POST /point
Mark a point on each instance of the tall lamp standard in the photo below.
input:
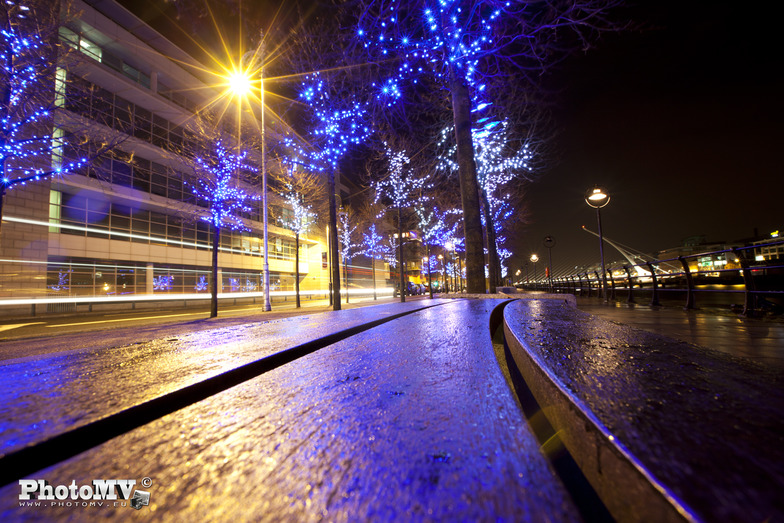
(598, 198)
(442, 279)
(534, 259)
(449, 246)
(460, 271)
(240, 84)
(549, 242)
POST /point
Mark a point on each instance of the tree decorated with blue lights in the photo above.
(391, 247)
(33, 146)
(337, 124)
(373, 247)
(346, 231)
(435, 227)
(301, 190)
(504, 162)
(470, 48)
(399, 190)
(218, 172)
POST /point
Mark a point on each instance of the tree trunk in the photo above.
(216, 231)
(296, 267)
(3, 185)
(333, 242)
(373, 274)
(469, 188)
(429, 275)
(3, 189)
(400, 253)
(345, 275)
(493, 268)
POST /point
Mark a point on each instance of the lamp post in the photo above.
(329, 266)
(449, 246)
(240, 84)
(598, 198)
(443, 273)
(460, 272)
(549, 242)
(534, 259)
(267, 304)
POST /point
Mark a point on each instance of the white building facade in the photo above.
(126, 229)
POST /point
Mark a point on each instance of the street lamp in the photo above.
(443, 272)
(240, 83)
(534, 259)
(449, 246)
(598, 198)
(460, 272)
(549, 242)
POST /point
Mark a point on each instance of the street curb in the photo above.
(626, 487)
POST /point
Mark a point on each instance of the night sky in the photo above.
(681, 122)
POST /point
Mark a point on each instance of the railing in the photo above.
(759, 282)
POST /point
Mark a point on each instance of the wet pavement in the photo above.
(703, 426)
(757, 339)
(113, 371)
(410, 420)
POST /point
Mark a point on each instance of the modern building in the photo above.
(769, 249)
(127, 229)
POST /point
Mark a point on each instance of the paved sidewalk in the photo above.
(757, 339)
(411, 420)
(663, 429)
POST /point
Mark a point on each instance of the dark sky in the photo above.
(681, 122)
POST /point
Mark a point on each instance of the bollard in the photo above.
(655, 291)
(689, 284)
(612, 286)
(630, 298)
(748, 284)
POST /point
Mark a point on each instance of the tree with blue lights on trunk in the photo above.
(400, 189)
(36, 132)
(301, 190)
(373, 248)
(346, 230)
(337, 125)
(218, 173)
(469, 48)
(435, 228)
(503, 163)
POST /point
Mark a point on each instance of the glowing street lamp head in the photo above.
(597, 197)
(239, 83)
(534, 258)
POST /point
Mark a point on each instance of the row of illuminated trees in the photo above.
(439, 80)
